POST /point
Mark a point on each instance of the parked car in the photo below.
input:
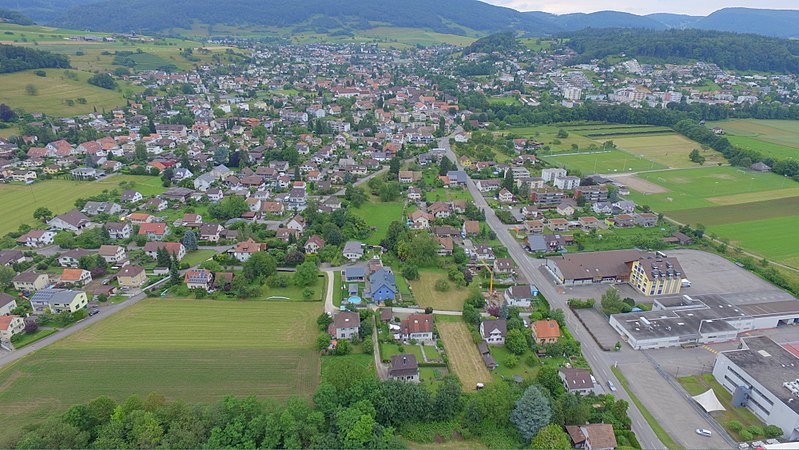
(703, 432)
(94, 311)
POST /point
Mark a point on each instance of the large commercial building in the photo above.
(681, 320)
(764, 377)
(649, 273)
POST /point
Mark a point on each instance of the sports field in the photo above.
(20, 201)
(464, 359)
(610, 161)
(758, 212)
(53, 91)
(426, 295)
(194, 350)
(773, 138)
(671, 150)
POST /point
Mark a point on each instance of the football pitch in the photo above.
(193, 350)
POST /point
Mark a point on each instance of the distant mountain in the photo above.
(463, 17)
(768, 22)
(11, 16)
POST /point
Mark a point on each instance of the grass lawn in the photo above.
(776, 138)
(696, 385)
(197, 257)
(611, 161)
(379, 216)
(337, 296)
(148, 186)
(193, 350)
(294, 293)
(762, 237)
(20, 201)
(501, 354)
(464, 359)
(621, 238)
(671, 150)
(664, 437)
(426, 295)
(547, 135)
(55, 89)
(29, 338)
(388, 349)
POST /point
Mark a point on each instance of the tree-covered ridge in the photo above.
(727, 50)
(498, 42)
(16, 58)
(11, 16)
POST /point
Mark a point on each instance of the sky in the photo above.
(692, 7)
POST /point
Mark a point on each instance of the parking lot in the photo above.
(712, 274)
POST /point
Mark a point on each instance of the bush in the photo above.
(531, 361)
(410, 272)
(755, 430)
(745, 435)
(307, 293)
(442, 286)
(735, 426)
(511, 361)
(576, 303)
(773, 431)
(40, 73)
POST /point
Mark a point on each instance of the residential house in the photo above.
(153, 231)
(594, 436)
(297, 223)
(593, 193)
(57, 301)
(74, 221)
(470, 228)
(546, 331)
(30, 281)
(353, 250)
(558, 224)
(118, 230)
(534, 226)
(96, 208)
(131, 196)
(244, 250)
(567, 183)
(11, 325)
(71, 258)
(10, 257)
(382, 285)
(576, 380)
(521, 296)
(173, 249)
(420, 220)
(354, 274)
(623, 221)
(313, 244)
(503, 265)
(505, 196)
(404, 367)
(414, 194)
(36, 238)
(210, 232)
(75, 277)
(646, 220)
(7, 304)
(199, 279)
(484, 253)
(494, 331)
(345, 325)
(439, 210)
(131, 277)
(566, 207)
(140, 218)
(488, 185)
(549, 175)
(445, 245)
(589, 223)
(112, 254)
(418, 327)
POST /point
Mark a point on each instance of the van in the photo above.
(703, 432)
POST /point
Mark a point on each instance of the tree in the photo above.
(162, 258)
(532, 412)
(43, 214)
(306, 274)
(140, 152)
(6, 275)
(7, 114)
(323, 340)
(551, 437)
(508, 182)
(410, 272)
(260, 265)
(103, 80)
(612, 302)
(174, 275)
(394, 167)
(323, 321)
(696, 157)
(516, 342)
(189, 241)
(31, 90)
(355, 195)
(445, 166)
(229, 208)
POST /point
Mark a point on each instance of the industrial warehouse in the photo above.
(682, 320)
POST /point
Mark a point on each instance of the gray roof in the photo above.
(54, 296)
(5, 299)
(382, 277)
(403, 365)
(537, 243)
(491, 325)
(355, 272)
(353, 247)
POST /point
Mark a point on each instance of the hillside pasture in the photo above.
(53, 91)
(192, 350)
(20, 201)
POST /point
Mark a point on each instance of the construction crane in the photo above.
(491, 277)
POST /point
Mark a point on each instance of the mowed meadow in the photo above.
(193, 350)
(20, 201)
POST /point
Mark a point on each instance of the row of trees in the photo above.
(14, 58)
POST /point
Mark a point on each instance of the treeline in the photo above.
(15, 59)
(498, 42)
(350, 409)
(727, 50)
(683, 117)
(11, 16)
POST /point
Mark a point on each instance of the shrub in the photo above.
(40, 73)
(442, 286)
(307, 293)
(511, 361)
(772, 431)
(755, 430)
(531, 360)
(745, 435)
(735, 426)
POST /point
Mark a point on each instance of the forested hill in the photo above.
(15, 58)
(9, 16)
(727, 50)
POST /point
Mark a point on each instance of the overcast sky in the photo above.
(693, 7)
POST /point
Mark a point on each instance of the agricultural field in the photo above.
(777, 139)
(608, 161)
(379, 216)
(749, 209)
(426, 294)
(671, 150)
(464, 359)
(50, 94)
(193, 350)
(20, 201)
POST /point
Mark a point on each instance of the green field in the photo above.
(198, 257)
(379, 216)
(611, 161)
(55, 89)
(773, 238)
(671, 150)
(197, 351)
(426, 295)
(19, 201)
(773, 138)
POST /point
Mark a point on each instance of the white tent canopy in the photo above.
(709, 401)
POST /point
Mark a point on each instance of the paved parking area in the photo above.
(598, 326)
(712, 274)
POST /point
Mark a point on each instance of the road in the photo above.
(599, 360)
